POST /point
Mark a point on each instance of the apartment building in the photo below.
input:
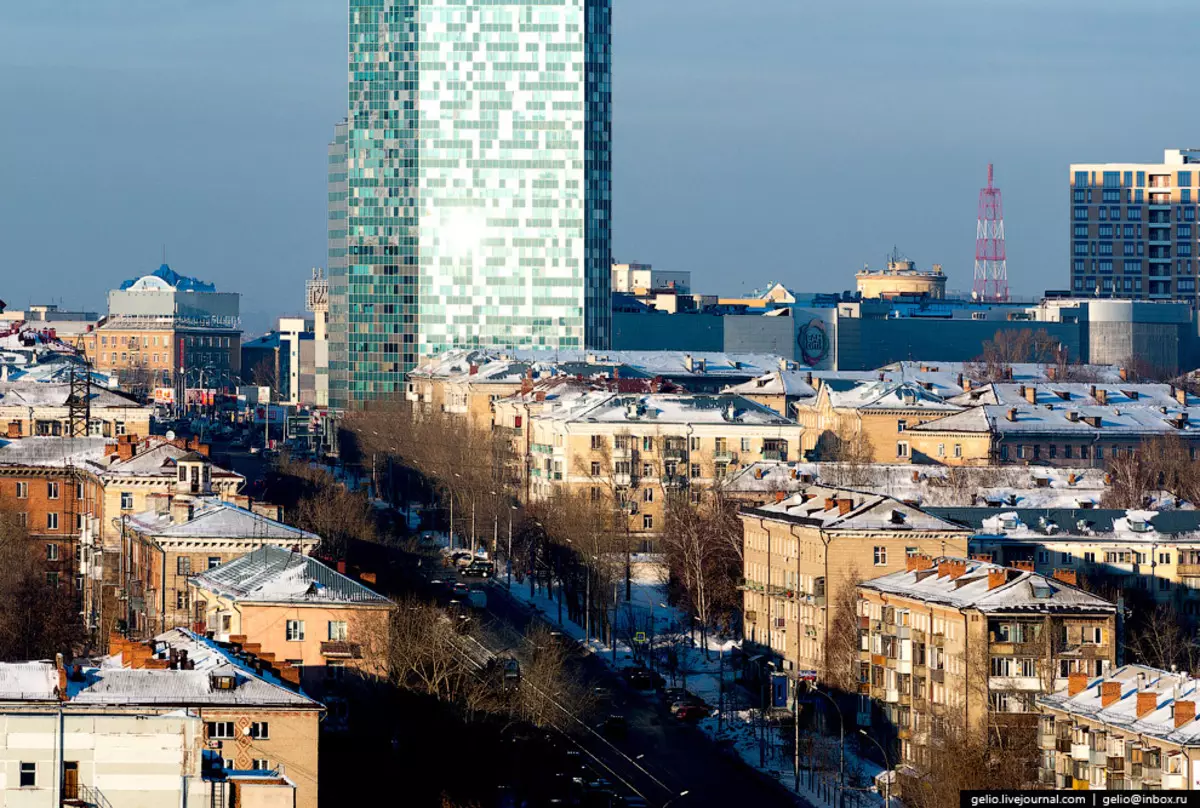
(1059, 424)
(468, 382)
(952, 645)
(637, 450)
(869, 420)
(803, 555)
(178, 721)
(40, 409)
(184, 535)
(296, 609)
(1153, 556)
(1133, 729)
(1133, 228)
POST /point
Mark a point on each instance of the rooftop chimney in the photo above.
(830, 503)
(1124, 374)
(14, 429)
(1067, 577)
(1185, 711)
(182, 511)
(1012, 414)
(1147, 702)
(1101, 395)
(845, 506)
(1076, 683)
(997, 578)
(917, 562)
(1023, 565)
(1110, 693)
(966, 385)
(956, 569)
(1051, 373)
(1181, 396)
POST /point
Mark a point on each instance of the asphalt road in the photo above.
(662, 757)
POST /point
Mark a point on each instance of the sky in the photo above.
(755, 141)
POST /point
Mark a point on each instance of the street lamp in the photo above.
(887, 782)
(841, 741)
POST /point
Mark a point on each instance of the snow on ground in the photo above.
(704, 675)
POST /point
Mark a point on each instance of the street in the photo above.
(662, 757)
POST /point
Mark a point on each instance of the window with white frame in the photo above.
(880, 556)
(295, 631)
(337, 631)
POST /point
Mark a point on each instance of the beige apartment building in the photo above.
(287, 606)
(952, 645)
(868, 420)
(804, 555)
(178, 721)
(635, 451)
(183, 536)
(1133, 729)
(1151, 555)
(1133, 228)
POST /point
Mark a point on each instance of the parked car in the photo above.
(692, 712)
(461, 590)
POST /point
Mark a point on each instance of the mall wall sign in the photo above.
(814, 342)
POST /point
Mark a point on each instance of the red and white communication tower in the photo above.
(991, 266)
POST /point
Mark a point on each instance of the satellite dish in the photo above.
(170, 434)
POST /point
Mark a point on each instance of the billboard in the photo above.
(197, 397)
(164, 395)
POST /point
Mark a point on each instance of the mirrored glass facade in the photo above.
(478, 184)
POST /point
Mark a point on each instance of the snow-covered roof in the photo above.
(28, 681)
(509, 365)
(1079, 394)
(275, 575)
(51, 452)
(212, 518)
(1070, 420)
(1094, 524)
(1021, 371)
(53, 394)
(821, 506)
(937, 486)
(158, 457)
(1122, 714)
(663, 408)
(792, 383)
(987, 588)
(884, 395)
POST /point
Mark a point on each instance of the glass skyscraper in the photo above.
(477, 184)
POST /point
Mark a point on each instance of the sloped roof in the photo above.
(51, 452)
(54, 394)
(275, 575)
(212, 518)
(885, 395)
(605, 407)
(1062, 522)
(28, 681)
(1159, 723)
(1022, 591)
(867, 512)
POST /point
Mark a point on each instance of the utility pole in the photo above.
(472, 527)
(508, 556)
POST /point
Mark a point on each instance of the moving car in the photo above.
(479, 569)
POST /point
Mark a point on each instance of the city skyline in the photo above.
(911, 104)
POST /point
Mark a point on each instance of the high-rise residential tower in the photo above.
(478, 184)
(1133, 228)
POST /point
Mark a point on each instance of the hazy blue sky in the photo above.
(757, 140)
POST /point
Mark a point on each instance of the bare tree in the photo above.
(842, 637)
(1158, 637)
(851, 456)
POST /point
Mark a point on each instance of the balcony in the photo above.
(622, 452)
(1062, 745)
(891, 696)
(675, 452)
(1081, 752)
(1046, 741)
(724, 456)
(775, 454)
(1188, 570)
(1174, 782)
(904, 666)
(938, 675)
(1027, 683)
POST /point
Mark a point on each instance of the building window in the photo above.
(28, 775)
(214, 561)
(902, 449)
(219, 729)
(52, 552)
(647, 444)
(695, 444)
(647, 495)
(182, 600)
(127, 500)
(745, 444)
(901, 424)
(647, 521)
(260, 730)
(647, 470)
(958, 450)
(880, 556)
(295, 631)
(52, 580)
(695, 470)
(595, 469)
(52, 521)
(23, 519)
(183, 565)
(337, 631)
(260, 764)
(51, 490)
(597, 441)
(22, 490)
(941, 450)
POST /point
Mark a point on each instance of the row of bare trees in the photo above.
(37, 619)
(1159, 464)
